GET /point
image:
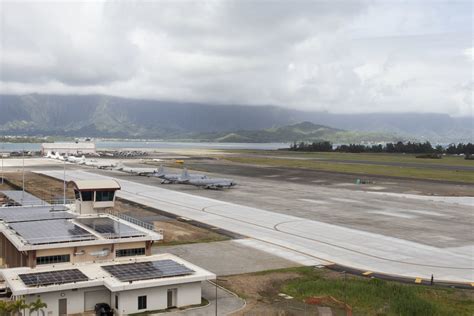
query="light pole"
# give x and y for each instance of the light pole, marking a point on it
(64, 183)
(23, 177)
(2, 164)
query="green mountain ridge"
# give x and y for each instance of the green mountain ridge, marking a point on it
(300, 132)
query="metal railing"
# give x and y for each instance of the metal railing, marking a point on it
(134, 221)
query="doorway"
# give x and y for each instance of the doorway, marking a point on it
(172, 298)
(62, 307)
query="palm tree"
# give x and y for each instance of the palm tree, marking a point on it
(37, 306)
(5, 307)
(18, 306)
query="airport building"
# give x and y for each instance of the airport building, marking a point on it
(79, 148)
(74, 257)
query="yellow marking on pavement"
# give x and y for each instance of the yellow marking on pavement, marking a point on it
(418, 280)
(367, 273)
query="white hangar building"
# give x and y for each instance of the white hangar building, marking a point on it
(73, 148)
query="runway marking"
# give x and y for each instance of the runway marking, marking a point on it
(399, 215)
(314, 201)
(425, 213)
(418, 280)
(273, 176)
(294, 178)
(344, 200)
(367, 273)
(318, 181)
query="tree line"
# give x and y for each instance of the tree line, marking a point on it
(399, 147)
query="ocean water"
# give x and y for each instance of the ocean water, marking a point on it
(117, 145)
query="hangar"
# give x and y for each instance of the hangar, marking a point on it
(73, 148)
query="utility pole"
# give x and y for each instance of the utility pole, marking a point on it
(216, 297)
(64, 183)
(2, 164)
(23, 178)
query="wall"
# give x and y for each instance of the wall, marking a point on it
(187, 294)
(10, 256)
(86, 257)
(75, 300)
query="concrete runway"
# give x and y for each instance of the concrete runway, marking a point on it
(321, 241)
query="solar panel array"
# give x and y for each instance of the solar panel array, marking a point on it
(23, 198)
(53, 277)
(50, 231)
(147, 270)
(110, 228)
(24, 214)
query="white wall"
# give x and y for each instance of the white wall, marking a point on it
(75, 300)
(187, 294)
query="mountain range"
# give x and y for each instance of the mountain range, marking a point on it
(108, 116)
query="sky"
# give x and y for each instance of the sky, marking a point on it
(338, 56)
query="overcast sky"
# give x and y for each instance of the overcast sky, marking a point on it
(338, 56)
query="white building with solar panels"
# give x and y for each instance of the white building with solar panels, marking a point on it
(73, 258)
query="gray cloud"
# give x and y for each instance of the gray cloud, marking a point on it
(340, 56)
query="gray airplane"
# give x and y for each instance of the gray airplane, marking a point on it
(207, 183)
(167, 178)
(136, 171)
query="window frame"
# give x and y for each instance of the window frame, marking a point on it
(142, 302)
(64, 258)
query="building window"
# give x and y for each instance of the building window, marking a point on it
(116, 301)
(142, 302)
(130, 252)
(53, 259)
(104, 196)
(86, 195)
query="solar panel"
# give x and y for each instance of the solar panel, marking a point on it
(23, 198)
(110, 228)
(53, 277)
(50, 231)
(23, 214)
(147, 270)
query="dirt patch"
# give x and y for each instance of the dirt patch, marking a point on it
(41, 186)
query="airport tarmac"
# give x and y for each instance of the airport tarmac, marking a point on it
(397, 235)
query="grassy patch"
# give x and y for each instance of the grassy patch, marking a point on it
(448, 160)
(362, 169)
(377, 297)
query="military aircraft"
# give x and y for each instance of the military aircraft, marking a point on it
(136, 171)
(176, 177)
(76, 159)
(206, 183)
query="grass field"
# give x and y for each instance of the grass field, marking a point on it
(377, 297)
(365, 296)
(447, 160)
(434, 173)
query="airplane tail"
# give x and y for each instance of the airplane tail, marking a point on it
(185, 174)
(119, 165)
(160, 171)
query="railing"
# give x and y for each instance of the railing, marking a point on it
(134, 221)
(27, 203)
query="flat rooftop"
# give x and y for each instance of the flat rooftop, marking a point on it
(119, 275)
(45, 227)
(23, 198)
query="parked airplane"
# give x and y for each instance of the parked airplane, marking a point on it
(76, 159)
(136, 171)
(49, 154)
(206, 183)
(175, 177)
